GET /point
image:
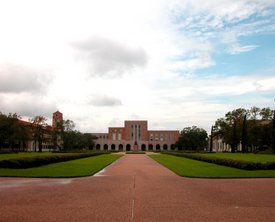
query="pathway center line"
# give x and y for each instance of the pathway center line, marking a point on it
(133, 196)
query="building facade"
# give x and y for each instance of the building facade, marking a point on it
(135, 136)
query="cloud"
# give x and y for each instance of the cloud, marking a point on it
(103, 100)
(18, 78)
(233, 45)
(108, 57)
(202, 61)
(26, 104)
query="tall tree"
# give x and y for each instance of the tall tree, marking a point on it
(192, 138)
(12, 133)
(211, 140)
(244, 135)
(39, 130)
(234, 139)
(273, 133)
(255, 112)
(266, 113)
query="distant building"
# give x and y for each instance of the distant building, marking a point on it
(57, 117)
(48, 142)
(136, 136)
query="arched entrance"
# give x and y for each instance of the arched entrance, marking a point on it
(97, 147)
(128, 147)
(120, 147)
(143, 147)
(165, 147)
(105, 147)
(150, 147)
(157, 147)
(113, 147)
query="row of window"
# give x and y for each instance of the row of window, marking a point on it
(161, 136)
(136, 135)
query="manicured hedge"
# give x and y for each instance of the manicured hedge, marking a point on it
(28, 162)
(240, 164)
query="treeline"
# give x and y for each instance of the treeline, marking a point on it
(12, 133)
(71, 138)
(192, 138)
(15, 134)
(252, 129)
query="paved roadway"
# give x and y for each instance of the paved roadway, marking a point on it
(136, 188)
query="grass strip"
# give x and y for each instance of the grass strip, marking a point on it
(74, 168)
(199, 169)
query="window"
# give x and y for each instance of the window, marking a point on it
(171, 136)
(119, 136)
(114, 136)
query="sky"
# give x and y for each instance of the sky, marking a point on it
(175, 63)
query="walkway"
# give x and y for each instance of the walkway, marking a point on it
(135, 188)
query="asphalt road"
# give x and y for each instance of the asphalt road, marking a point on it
(136, 188)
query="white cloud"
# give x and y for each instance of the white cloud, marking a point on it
(107, 57)
(103, 100)
(27, 105)
(19, 78)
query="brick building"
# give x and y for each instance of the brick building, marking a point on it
(136, 136)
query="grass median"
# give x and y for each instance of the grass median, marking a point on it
(194, 168)
(74, 168)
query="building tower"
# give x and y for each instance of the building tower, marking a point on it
(57, 117)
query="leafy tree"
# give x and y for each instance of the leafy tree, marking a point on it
(57, 133)
(251, 128)
(273, 132)
(244, 135)
(266, 113)
(193, 138)
(211, 140)
(12, 133)
(39, 130)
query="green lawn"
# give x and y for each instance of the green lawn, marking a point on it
(261, 158)
(74, 168)
(193, 168)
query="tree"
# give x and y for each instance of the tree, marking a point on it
(39, 130)
(251, 128)
(266, 113)
(234, 143)
(244, 135)
(273, 133)
(12, 133)
(211, 140)
(57, 135)
(255, 112)
(192, 138)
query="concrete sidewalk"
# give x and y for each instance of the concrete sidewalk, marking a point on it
(136, 188)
